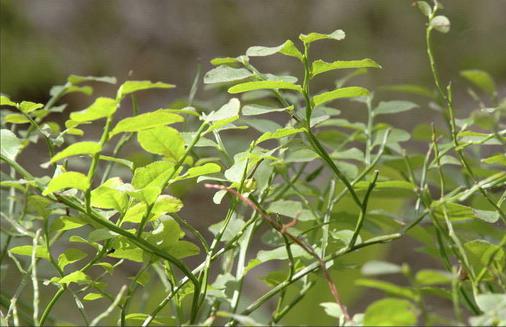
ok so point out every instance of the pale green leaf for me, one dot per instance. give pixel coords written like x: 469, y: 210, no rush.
x: 255, y: 109
x: 388, y: 287
x: 145, y: 121
x: 66, y: 180
x: 64, y: 223
x: 480, y: 79
x: 133, y: 86
x: 345, y: 92
x: 226, y: 74
x: 440, y: 24
x: 375, y: 267
x: 10, y: 145
x: 77, y: 79
x: 424, y: 7
x: 337, y: 35
x: 263, y: 85
x: 77, y: 149
x: 320, y: 66
x: 392, y: 107
x: 433, y: 277
x: 290, y: 208
x: 227, y: 111
x: 288, y: 48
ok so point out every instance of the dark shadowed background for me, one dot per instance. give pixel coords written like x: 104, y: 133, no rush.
x: 44, y: 41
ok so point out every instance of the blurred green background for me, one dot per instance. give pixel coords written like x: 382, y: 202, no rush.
x: 44, y: 41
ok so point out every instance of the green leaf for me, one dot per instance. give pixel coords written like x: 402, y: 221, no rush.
x: 481, y: 252
x: 498, y: 159
x: 134, y: 86
x: 388, y: 287
x: 288, y: 48
x: 233, y: 228
x: 77, y: 277
x: 145, y: 121
x: 101, y: 108
x: 224, y: 61
x: 458, y: 212
x: 164, y: 204
x: 345, y: 92
x: 392, y: 107
x: 424, y: 7
x: 26, y: 250
x: 152, y: 175
x: 227, y: 111
x: 5, y: 101
x: 320, y: 66
x: 440, y: 24
x: 28, y: 106
x: 337, y: 35
x: 332, y: 309
x: 92, y: 296
x: 486, y: 215
x: 64, y: 223
x: 226, y: 74
x: 291, y: 209
x: 480, y: 79
x: 390, y: 312
x: 108, y: 195
x: 280, y: 133
x: 10, y: 145
x: 38, y: 205
x: 375, y: 267
x: 166, y: 237
x: 66, y: 180
x: 77, y: 149
x: 208, y: 168
x: 432, y: 277
x: 255, y: 109
x: 16, y: 119
x: 77, y: 79
x: 263, y: 85
x: 70, y: 256
x: 411, y: 89
x: 162, y: 140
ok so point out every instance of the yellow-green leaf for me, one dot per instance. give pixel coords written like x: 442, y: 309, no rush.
x: 345, y: 92
x: 337, y: 35
x: 76, y: 149
x: 162, y: 140
x: 66, y: 180
x: 263, y: 85
x: 134, y: 86
x: 288, y: 48
x: 101, y: 108
x: 145, y: 121
x: 320, y: 66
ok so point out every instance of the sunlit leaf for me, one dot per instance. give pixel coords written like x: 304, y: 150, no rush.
x: 76, y: 149
x: 162, y: 140
x: 70, y: 256
x: 66, y: 180
x: 390, y: 312
x: 134, y: 86
x: 480, y: 79
x: 145, y: 121
x: 101, y: 108
x: 288, y: 48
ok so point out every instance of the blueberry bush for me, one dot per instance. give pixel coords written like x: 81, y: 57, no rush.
x: 300, y: 197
